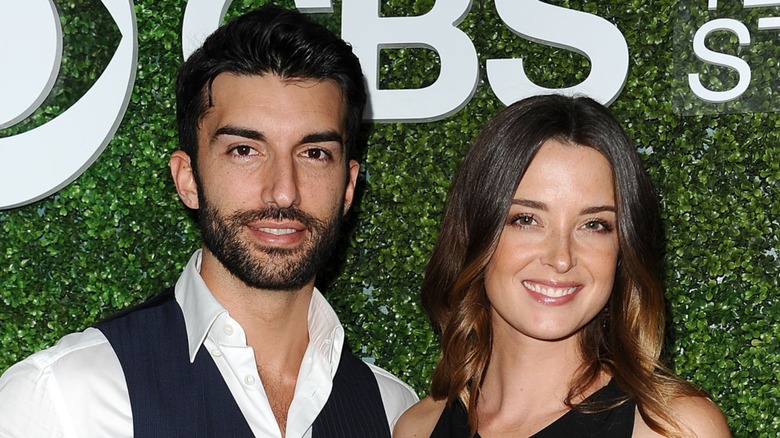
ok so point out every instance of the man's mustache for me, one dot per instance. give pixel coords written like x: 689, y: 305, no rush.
x: 277, y: 214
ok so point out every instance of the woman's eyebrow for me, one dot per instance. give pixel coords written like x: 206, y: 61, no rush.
x: 536, y: 205
x: 530, y: 204
x: 599, y: 209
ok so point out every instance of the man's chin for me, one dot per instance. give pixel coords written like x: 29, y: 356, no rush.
x: 277, y: 254
x: 280, y: 269
x: 278, y: 281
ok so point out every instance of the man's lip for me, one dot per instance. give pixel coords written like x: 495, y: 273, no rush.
x: 274, y: 227
x: 276, y: 231
x: 278, y: 234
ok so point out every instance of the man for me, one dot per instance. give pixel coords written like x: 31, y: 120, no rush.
x: 268, y: 111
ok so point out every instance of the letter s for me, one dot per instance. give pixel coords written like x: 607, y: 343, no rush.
x: 715, y: 58
x: 591, y: 36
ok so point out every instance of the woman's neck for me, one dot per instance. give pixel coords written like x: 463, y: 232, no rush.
x: 527, y: 382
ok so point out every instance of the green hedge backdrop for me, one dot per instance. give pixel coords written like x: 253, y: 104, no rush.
x: 118, y: 233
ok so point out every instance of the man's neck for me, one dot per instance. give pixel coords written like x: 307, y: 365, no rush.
x: 276, y: 327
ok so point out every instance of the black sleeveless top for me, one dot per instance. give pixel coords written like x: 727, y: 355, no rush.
x: 617, y: 422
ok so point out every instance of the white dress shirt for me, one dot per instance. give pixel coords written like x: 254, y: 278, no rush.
x: 77, y: 388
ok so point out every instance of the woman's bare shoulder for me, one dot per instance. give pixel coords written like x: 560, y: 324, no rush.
x: 419, y: 420
x: 699, y: 414
x: 702, y: 416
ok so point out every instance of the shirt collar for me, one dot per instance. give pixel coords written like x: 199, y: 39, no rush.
x: 326, y: 335
x: 198, y: 305
x: 201, y: 310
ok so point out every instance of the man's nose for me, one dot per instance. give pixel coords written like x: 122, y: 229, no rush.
x: 280, y: 183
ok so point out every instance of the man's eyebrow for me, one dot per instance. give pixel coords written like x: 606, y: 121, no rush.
x: 323, y: 137
x: 238, y: 132
x: 252, y: 134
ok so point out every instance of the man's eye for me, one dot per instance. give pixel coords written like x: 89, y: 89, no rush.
x: 242, y: 150
x: 316, y: 154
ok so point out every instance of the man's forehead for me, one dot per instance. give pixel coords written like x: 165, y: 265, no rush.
x: 321, y: 94
x: 230, y: 89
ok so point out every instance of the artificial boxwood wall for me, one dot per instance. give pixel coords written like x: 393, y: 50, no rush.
x: 118, y: 233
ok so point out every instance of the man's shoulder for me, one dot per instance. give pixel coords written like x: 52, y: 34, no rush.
x: 397, y: 396
x: 387, y: 380
x: 154, y: 302
x: 62, y: 387
x: 81, y: 355
x: 87, y: 353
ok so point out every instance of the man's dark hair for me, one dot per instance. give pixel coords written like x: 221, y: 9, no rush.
x: 269, y: 40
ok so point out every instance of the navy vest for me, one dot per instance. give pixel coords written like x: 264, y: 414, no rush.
x: 170, y: 397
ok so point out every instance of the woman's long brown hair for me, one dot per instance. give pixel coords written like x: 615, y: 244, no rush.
x: 625, y: 340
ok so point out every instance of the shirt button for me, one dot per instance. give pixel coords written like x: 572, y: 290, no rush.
x: 216, y: 353
x: 249, y: 380
x: 228, y: 329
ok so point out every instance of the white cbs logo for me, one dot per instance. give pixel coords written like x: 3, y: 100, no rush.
x: 38, y: 162
x: 368, y: 32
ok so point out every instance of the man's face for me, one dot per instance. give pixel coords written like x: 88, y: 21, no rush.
x: 273, y: 179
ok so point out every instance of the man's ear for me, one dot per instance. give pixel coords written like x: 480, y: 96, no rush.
x: 354, y: 169
x: 184, y: 178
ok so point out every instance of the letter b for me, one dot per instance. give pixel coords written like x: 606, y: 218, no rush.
x: 368, y: 33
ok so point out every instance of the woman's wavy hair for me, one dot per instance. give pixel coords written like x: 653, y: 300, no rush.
x: 625, y: 339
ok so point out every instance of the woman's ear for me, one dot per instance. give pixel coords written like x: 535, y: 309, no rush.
x: 184, y: 179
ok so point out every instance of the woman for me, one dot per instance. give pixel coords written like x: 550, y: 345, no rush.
x: 545, y: 285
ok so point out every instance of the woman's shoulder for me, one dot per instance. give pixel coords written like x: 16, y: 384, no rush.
x: 700, y: 415
x: 420, y: 419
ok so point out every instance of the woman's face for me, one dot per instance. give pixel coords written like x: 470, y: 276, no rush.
x: 554, y: 266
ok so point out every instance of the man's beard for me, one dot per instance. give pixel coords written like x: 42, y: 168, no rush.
x: 280, y: 268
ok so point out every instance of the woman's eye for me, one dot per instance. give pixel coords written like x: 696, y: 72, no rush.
x: 523, y: 220
x: 596, y: 225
